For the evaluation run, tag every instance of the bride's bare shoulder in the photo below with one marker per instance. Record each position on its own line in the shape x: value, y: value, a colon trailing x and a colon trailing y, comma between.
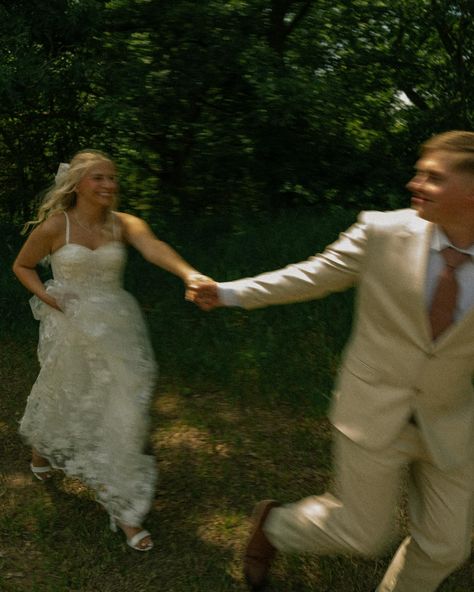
x: 50, y: 231
x: 129, y: 222
x: 53, y: 225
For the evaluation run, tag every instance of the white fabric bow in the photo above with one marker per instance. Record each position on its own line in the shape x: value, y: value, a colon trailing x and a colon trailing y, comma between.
x: 62, y: 170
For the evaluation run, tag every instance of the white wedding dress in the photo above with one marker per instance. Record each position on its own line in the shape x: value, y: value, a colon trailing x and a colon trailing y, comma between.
x: 88, y: 410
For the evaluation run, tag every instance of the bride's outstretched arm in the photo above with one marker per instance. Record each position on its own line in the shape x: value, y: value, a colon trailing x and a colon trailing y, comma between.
x: 139, y: 235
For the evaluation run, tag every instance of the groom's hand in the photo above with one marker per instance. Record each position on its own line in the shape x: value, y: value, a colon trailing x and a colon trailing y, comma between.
x: 207, y: 296
x: 204, y: 293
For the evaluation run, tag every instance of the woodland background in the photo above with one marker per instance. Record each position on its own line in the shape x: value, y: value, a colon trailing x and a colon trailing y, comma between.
x: 248, y: 133
x: 231, y: 107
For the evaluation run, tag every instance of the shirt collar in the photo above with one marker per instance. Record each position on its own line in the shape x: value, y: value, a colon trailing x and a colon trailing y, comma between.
x: 440, y: 241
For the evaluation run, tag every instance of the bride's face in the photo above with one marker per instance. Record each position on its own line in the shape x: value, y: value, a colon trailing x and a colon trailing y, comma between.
x: 99, y: 185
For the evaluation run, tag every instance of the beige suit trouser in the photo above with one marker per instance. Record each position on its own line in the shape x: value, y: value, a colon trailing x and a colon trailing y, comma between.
x: 359, y: 518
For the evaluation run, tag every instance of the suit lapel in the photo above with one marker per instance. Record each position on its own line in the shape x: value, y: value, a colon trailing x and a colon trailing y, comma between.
x: 418, y: 233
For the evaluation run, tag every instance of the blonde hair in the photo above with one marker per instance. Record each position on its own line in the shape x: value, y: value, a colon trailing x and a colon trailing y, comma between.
x: 459, y: 143
x: 62, y: 194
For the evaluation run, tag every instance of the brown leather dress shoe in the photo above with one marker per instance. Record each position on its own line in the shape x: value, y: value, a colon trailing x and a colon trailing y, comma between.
x: 259, y: 552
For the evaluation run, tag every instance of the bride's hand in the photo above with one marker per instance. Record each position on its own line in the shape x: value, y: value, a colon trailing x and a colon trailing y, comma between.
x: 51, y: 301
x: 193, y: 281
x: 205, y: 294
x: 59, y: 299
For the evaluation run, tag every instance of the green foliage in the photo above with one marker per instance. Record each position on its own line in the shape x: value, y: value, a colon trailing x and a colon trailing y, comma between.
x: 45, y: 93
x: 249, y: 105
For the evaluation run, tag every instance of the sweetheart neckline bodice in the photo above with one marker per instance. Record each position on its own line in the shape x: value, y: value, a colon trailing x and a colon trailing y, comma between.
x: 70, y: 244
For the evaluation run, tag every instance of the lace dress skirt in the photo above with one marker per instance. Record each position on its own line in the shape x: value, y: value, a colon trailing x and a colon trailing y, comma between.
x: 88, y: 409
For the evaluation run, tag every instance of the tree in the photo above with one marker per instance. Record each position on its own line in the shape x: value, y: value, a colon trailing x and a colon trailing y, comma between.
x: 232, y: 106
x: 46, y: 100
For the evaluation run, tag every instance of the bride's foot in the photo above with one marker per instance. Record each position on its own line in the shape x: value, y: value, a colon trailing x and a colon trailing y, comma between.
x: 40, y: 467
x: 137, y: 537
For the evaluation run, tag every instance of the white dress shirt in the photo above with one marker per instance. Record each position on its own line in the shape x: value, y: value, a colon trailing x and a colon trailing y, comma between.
x: 464, y: 273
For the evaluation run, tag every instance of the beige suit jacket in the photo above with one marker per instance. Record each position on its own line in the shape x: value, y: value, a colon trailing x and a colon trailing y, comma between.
x: 391, y: 368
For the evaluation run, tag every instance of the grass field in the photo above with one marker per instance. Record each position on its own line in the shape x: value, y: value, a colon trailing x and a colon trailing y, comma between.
x: 235, y: 419
x: 217, y: 456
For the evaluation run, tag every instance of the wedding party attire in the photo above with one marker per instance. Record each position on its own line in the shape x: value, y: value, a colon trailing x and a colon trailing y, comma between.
x: 88, y: 409
x: 403, y: 397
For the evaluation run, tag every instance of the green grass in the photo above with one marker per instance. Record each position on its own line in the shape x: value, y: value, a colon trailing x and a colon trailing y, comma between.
x: 217, y: 456
x: 237, y: 417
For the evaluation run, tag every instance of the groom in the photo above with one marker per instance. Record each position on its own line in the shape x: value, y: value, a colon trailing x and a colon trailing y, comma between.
x: 404, y: 393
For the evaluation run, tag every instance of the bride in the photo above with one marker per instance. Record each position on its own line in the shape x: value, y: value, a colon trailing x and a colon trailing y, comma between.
x: 87, y: 413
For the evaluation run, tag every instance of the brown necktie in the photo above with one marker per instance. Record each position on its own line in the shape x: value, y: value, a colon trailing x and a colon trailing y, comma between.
x: 446, y: 291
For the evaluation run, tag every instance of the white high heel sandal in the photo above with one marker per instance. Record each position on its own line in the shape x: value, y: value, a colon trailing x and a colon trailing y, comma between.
x: 133, y: 541
x: 37, y: 471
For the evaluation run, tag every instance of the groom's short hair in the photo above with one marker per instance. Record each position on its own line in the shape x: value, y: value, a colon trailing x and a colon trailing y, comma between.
x: 457, y: 142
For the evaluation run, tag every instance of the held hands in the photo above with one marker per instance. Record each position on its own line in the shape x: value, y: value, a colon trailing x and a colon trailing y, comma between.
x: 202, y: 290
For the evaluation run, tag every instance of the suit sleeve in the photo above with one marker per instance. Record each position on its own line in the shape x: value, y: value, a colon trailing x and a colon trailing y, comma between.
x: 336, y: 269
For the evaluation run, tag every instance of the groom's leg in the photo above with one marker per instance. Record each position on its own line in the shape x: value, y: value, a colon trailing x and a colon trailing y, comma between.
x: 441, y: 513
x: 359, y: 518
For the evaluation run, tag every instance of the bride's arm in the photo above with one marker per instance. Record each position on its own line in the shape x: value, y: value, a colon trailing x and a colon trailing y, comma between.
x: 37, y: 246
x: 139, y: 235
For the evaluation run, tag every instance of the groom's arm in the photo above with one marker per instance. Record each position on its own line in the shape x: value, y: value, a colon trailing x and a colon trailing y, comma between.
x: 334, y: 270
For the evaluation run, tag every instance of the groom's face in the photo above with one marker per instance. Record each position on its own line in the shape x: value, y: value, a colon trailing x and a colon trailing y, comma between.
x: 441, y: 193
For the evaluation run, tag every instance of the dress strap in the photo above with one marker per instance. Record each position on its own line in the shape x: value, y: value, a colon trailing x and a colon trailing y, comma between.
x: 115, y: 227
x: 67, y: 227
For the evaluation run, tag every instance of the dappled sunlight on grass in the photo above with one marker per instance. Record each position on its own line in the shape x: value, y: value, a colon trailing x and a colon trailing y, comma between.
x: 73, y: 486
x: 167, y: 405
x: 222, y: 528
x: 17, y: 480
x: 186, y: 436
x: 217, y: 455
x: 195, y: 439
